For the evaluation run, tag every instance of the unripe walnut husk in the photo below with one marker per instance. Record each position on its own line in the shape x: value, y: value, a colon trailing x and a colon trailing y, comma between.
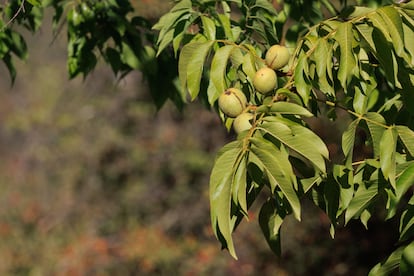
x: 232, y: 102
x: 242, y: 122
x: 277, y: 57
x: 265, y: 80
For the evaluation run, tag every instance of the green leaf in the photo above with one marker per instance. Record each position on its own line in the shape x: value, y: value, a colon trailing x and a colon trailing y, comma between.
x: 380, y: 44
x: 407, y: 137
x: 129, y: 57
x: 113, y: 57
x: 407, y: 261
x: 388, y: 146
x: 393, y: 24
x: 218, y: 70
x: 195, y: 68
x: 212, y: 94
x: 409, y: 42
x: 167, y: 38
x: 365, y: 33
x: 298, y: 138
x: 365, y: 216
x: 407, y: 6
x: 322, y: 55
x: 331, y: 196
x: 7, y: 59
x: 209, y: 27
x: 348, y: 140
x: 181, y: 5
x: 167, y: 24
x: 18, y: 45
x: 270, y: 220
x: 278, y: 170
x: 407, y: 224
x: 289, y: 108
x: 301, y: 79
x: 240, y: 186
x: 392, y: 203
x: 308, y: 183
x: 221, y: 181
x: 363, y: 197
x: 383, y: 52
x: 390, y: 264
x: 249, y: 65
x: 175, y: 13
x: 329, y: 6
x: 180, y: 31
x: 407, y: 13
x: 190, y: 66
x: 379, y: 23
x: 347, y: 64
x: 237, y: 59
x: 405, y: 181
x: 360, y: 100
x: 356, y: 11
x: 345, y: 178
x: 291, y: 96
x: 376, y: 125
x: 34, y: 2
x: 226, y: 25
x: 265, y: 5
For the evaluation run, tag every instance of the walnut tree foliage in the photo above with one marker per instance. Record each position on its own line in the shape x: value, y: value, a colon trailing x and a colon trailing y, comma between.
x: 346, y: 58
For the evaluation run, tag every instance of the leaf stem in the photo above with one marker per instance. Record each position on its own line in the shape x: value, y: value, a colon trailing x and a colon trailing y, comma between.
x: 357, y: 115
x: 19, y: 10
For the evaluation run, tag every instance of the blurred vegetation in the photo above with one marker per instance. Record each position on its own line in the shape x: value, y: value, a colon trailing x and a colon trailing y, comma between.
x: 95, y: 181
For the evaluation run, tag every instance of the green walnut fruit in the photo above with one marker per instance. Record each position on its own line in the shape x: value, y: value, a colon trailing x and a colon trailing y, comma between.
x: 242, y: 122
x: 232, y: 102
x: 277, y: 57
x: 265, y: 80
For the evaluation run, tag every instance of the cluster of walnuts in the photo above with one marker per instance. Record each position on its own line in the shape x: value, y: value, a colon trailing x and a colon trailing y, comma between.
x: 233, y: 102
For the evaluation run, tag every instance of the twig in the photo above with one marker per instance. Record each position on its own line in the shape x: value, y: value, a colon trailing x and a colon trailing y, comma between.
x: 21, y: 8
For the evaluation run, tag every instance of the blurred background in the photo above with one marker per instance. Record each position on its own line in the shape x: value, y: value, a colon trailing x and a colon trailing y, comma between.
x: 95, y: 181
